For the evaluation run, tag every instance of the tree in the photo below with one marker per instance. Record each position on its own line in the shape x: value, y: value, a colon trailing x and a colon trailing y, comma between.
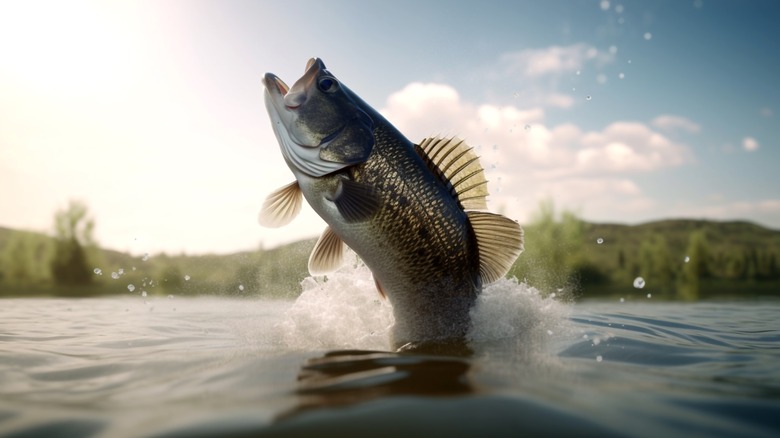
x: 553, y: 250
x: 25, y: 257
x: 655, y: 262
x: 696, y: 267
x: 73, y: 237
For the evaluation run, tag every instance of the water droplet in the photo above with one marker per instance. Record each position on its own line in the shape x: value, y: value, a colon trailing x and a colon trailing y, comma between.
x: 573, y: 88
x: 622, y: 76
x: 687, y: 259
x: 143, y: 293
x: 133, y: 268
x: 549, y: 332
x: 629, y: 61
x: 622, y: 300
x: 114, y: 275
x: 495, y: 147
x: 619, y: 9
x: 648, y: 36
x: 527, y: 127
x: 604, y: 5
x: 121, y: 271
x: 649, y: 296
x: 613, y: 49
x: 130, y: 287
x: 577, y: 73
x: 639, y: 282
x: 145, y: 257
x: 596, y: 341
x: 241, y: 287
x: 588, y: 97
x: 170, y: 297
x: 552, y: 295
x: 599, y: 358
x: 601, y: 78
x: 98, y: 271
x: 186, y: 278
x: 600, y: 240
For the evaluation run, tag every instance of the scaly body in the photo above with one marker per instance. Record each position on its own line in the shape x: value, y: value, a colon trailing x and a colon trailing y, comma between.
x: 398, y: 205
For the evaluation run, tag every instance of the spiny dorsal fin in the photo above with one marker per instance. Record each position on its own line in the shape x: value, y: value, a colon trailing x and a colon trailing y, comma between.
x: 457, y: 165
x: 328, y: 253
x: 281, y: 206
x: 356, y: 201
x: 500, y: 241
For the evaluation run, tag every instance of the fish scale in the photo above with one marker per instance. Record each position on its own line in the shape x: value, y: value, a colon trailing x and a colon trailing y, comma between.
x: 396, y: 204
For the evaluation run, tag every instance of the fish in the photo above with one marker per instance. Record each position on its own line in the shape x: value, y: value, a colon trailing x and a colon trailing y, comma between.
x: 415, y: 213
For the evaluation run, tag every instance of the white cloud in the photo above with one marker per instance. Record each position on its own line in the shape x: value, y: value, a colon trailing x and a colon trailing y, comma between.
x: 750, y: 144
x: 526, y: 160
x: 672, y: 123
x: 553, y: 60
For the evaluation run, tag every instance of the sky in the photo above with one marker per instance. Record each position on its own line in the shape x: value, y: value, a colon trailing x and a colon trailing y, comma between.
x: 152, y: 113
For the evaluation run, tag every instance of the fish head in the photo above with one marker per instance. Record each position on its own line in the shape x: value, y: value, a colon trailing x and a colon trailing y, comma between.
x: 320, y: 127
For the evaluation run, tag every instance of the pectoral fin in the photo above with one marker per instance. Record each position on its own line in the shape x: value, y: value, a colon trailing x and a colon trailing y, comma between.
x: 281, y: 206
x: 328, y: 253
x: 356, y: 201
x: 500, y: 241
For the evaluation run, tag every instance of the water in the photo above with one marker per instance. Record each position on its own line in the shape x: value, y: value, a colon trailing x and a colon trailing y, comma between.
x: 213, y: 366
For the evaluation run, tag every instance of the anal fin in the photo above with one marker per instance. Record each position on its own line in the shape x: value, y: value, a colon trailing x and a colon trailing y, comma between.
x: 328, y: 253
x: 500, y: 241
x: 281, y: 206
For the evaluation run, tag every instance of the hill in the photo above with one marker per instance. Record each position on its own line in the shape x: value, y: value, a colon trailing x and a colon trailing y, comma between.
x: 734, y: 259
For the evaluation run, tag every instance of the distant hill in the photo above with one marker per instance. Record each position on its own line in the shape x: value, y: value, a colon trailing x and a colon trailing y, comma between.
x: 741, y: 259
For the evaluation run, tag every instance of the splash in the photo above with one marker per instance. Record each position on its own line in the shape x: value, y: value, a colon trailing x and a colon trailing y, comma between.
x: 345, y: 311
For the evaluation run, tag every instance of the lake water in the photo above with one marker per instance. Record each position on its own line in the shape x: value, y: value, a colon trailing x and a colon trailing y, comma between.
x: 319, y: 366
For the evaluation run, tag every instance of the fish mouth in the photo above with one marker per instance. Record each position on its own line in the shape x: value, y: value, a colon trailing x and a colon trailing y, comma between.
x: 271, y: 80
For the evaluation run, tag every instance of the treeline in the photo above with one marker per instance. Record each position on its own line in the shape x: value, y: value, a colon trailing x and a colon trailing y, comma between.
x: 671, y: 259
x: 69, y: 263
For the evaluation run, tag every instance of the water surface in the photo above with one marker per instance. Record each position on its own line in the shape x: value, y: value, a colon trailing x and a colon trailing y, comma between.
x: 134, y: 366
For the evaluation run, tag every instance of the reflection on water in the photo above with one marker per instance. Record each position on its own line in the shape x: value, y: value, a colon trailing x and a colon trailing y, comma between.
x: 348, y: 377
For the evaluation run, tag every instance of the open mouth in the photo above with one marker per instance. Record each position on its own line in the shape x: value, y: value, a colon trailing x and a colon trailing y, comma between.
x: 271, y: 80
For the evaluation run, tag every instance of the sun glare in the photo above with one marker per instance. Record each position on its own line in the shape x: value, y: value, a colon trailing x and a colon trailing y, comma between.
x: 63, y: 47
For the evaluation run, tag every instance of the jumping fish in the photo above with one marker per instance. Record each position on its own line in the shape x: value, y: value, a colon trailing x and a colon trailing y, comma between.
x: 414, y: 213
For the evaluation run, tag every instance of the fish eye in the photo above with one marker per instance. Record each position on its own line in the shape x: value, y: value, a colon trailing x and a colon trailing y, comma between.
x: 327, y: 84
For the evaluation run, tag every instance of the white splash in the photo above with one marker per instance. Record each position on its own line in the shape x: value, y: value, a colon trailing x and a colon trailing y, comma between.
x: 345, y: 310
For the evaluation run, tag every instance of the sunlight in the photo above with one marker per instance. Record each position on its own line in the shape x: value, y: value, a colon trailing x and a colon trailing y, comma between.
x: 65, y: 48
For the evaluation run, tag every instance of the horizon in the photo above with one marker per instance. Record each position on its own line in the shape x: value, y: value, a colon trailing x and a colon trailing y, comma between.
x: 152, y: 113
x: 314, y: 237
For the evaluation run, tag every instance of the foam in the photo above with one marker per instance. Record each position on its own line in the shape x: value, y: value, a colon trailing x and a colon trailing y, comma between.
x: 345, y: 310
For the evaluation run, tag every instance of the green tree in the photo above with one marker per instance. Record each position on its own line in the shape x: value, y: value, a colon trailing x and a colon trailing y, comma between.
x: 697, y: 266
x: 25, y: 257
x: 655, y: 263
x: 553, y: 250
x: 73, y: 238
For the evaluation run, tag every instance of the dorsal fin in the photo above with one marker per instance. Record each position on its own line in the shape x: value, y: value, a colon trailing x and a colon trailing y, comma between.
x: 281, y: 206
x: 457, y: 165
x: 328, y: 253
x: 500, y: 241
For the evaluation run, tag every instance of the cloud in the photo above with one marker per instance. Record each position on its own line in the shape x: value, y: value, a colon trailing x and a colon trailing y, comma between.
x: 672, y: 123
x: 527, y: 160
x: 553, y: 60
x: 750, y: 144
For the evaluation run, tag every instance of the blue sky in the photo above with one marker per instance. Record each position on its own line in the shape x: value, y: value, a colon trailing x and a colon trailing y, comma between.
x: 152, y: 112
